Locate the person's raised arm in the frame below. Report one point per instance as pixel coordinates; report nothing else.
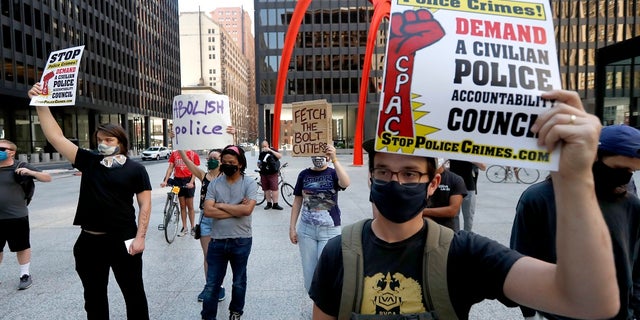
(195, 170)
(343, 177)
(52, 130)
(583, 282)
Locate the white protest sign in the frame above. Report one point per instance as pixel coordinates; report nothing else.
(463, 80)
(200, 121)
(60, 78)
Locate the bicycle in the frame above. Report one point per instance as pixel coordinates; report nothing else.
(171, 218)
(286, 189)
(498, 174)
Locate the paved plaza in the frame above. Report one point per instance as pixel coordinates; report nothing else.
(173, 273)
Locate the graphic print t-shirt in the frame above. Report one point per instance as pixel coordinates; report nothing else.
(319, 192)
(180, 168)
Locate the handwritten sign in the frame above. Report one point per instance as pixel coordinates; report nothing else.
(463, 81)
(200, 121)
(311, 127)
(60, 78)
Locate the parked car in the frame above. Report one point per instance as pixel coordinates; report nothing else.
(156, 153)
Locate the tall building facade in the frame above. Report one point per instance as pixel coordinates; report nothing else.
(326, 63)
(210, 58)
(237, 22)
(129, 72)
(599, 55)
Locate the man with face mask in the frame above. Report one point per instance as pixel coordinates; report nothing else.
(230, 201)
(316, 195)
(14, 214)
(534, 227)
(388, 274)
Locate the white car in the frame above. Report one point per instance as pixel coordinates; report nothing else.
(156, 153)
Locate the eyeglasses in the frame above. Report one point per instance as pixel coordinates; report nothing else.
(5, 149)
(382, 176)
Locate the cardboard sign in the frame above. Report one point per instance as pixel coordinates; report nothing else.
(200, 121)
(463, 81)
(311, 127)
(60, 78)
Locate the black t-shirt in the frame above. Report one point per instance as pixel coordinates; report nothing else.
(476, 269)
(534, 234)
(464, 169)
(451, 184)
(105, 203)
(11, 193)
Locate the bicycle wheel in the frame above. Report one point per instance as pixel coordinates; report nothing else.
(260, 198)
(528, 176)
(496, 173)
(286, 191)
(171, 221)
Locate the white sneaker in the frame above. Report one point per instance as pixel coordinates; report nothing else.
(183, 232)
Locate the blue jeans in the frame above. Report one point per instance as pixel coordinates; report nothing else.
(234, 251)
(311, 241)
(468, 209)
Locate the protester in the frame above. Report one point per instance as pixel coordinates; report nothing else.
(443, 206)
(269, 168)
(106, 215)
(213, 171)
(316, 195)
(14, 214)
(230, 201)
(387, 276)
(534, 227)
(186, 181)
(469, 173)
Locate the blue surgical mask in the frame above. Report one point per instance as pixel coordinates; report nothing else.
(4, 155)
(107, 150)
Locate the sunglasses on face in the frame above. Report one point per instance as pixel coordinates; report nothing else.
(5, 149)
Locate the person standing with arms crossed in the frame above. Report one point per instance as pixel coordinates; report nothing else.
(316, 195)
(230, 201)
(186, 181)
(106, 215)
(269, 176)
(14, 214)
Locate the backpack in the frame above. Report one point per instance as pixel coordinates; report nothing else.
(27, 183)
(270, 164)
(434, 274)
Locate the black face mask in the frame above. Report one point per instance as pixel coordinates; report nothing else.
(607, 179)
(399, 203)
(228, 169)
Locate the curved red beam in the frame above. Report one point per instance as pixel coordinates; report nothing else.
(287, 50)
(381, 9)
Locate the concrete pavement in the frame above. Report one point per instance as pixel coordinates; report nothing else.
(173, 273)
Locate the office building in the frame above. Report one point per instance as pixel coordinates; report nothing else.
(237, 22)
(211, 61)
(129, 71)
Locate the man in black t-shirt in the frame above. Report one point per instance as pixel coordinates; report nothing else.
(478, 268)
(444, 205)
(534, 227)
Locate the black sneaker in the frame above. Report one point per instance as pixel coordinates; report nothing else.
(221, 294)
(277, 207)
(268, 206)
(25, 282)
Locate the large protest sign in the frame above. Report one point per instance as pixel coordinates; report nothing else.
(200, 121)
(60, 78)
(463, 80)
(311, 127)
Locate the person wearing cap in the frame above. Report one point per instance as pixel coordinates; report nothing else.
(580, 284)
(443, 206)
(230, 201)
(534, 227)
(316, 196)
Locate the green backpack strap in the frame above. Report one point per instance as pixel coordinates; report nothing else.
(434, 273)
(352, 262)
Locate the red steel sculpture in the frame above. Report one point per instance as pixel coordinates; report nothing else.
(381, 9)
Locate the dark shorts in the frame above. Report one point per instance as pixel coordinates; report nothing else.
(184, 191)
(269, 182)
(16, 233)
